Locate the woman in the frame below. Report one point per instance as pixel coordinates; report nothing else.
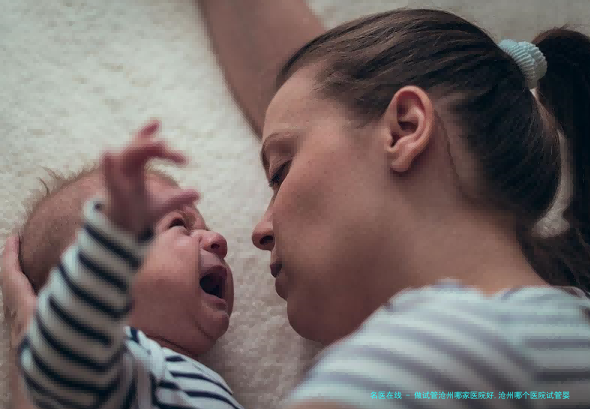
(405, 148)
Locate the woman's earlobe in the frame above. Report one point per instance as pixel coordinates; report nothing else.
(405, 152)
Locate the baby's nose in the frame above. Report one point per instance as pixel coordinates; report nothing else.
(213, 242)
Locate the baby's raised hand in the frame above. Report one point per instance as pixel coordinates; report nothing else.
(130, 204)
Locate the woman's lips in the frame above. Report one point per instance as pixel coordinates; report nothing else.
(275, 269)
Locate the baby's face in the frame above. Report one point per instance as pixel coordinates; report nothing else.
(183, 296)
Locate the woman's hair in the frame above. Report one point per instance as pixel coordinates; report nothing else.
(514, 139)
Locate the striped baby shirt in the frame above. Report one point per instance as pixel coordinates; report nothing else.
(450, 346)
(78, 352)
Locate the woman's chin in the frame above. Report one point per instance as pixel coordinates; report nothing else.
(300, 321)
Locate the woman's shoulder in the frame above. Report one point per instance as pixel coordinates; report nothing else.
(449, 295)
(449, 338)
(512, 316)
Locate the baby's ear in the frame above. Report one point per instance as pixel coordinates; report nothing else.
(37, 257)
(28, 275)
(27, 271)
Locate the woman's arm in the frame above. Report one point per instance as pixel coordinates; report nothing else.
(252, 40)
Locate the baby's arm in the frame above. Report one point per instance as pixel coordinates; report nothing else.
(74, 353)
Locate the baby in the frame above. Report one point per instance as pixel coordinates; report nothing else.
(140, 293)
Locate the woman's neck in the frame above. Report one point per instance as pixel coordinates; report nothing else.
(474, 250)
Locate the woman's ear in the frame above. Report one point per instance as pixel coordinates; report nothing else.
(410, 119)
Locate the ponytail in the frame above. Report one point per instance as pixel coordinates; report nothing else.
(564, 91)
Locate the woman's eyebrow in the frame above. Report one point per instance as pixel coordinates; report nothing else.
(267, 144)
(273, 141)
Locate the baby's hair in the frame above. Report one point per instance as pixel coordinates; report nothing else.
(50, 227)
(513, 138)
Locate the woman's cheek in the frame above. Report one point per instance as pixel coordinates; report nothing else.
(298, 200)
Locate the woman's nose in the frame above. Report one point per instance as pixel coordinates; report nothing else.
(214, 243)
(263, 235)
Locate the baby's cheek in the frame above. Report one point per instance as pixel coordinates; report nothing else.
(170, 269)
(182, 263)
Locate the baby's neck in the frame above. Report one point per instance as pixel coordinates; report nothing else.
(174, 347)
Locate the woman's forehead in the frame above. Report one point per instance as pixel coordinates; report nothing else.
(294, 101)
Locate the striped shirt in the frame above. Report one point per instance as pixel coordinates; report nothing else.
(450, 346)
(78, 352)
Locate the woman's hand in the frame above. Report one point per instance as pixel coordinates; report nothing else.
(18, 296)
(20, 302)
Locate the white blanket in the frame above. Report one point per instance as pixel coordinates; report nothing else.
(80, 75)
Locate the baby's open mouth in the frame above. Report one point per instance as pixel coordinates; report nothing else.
(213, 282)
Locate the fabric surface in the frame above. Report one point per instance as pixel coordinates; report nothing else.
(80, 75)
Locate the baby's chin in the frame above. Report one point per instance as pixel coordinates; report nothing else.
(191, 332)
(213, 320)
(210, 324)
(193, 342)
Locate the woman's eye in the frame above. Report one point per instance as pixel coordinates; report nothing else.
(278, 177)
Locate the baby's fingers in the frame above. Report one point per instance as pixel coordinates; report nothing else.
(108, 168)
(136, 156)
(149, 129)
(179, 199)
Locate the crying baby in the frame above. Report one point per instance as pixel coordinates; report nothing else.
(122, 317)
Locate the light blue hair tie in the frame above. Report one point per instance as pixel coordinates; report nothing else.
(529, 58)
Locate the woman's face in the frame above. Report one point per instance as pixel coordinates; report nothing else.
(325, 223)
